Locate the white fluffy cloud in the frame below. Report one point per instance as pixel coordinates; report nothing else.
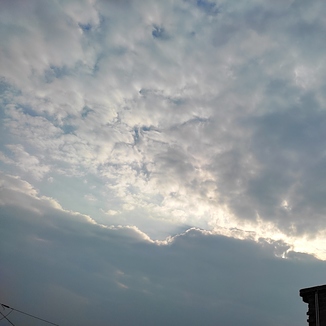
(201, 113)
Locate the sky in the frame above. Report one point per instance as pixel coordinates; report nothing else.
(162, 162)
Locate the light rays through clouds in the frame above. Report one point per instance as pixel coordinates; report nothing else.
(160, 119)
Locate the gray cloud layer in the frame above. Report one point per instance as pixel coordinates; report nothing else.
(63, 266)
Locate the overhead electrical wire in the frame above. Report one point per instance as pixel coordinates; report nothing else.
(5, 316)
(22, 312)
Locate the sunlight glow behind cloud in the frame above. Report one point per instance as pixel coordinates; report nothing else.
(202, 117)
(162, 129)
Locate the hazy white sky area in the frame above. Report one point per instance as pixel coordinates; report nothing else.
(162, 162)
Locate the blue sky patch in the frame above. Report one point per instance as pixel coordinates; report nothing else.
(159, 32)
(85, 27)
(208, 6)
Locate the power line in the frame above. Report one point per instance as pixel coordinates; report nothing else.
(25, 313)
(5, 316)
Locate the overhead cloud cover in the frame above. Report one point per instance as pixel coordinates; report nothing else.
(163, 162)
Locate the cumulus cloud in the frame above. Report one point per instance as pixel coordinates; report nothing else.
(201, 112)
(167, 116)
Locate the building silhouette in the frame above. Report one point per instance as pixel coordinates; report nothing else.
(316, 299)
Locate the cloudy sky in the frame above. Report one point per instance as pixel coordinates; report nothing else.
(162, 162)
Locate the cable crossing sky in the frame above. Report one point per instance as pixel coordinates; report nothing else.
(4, 306)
